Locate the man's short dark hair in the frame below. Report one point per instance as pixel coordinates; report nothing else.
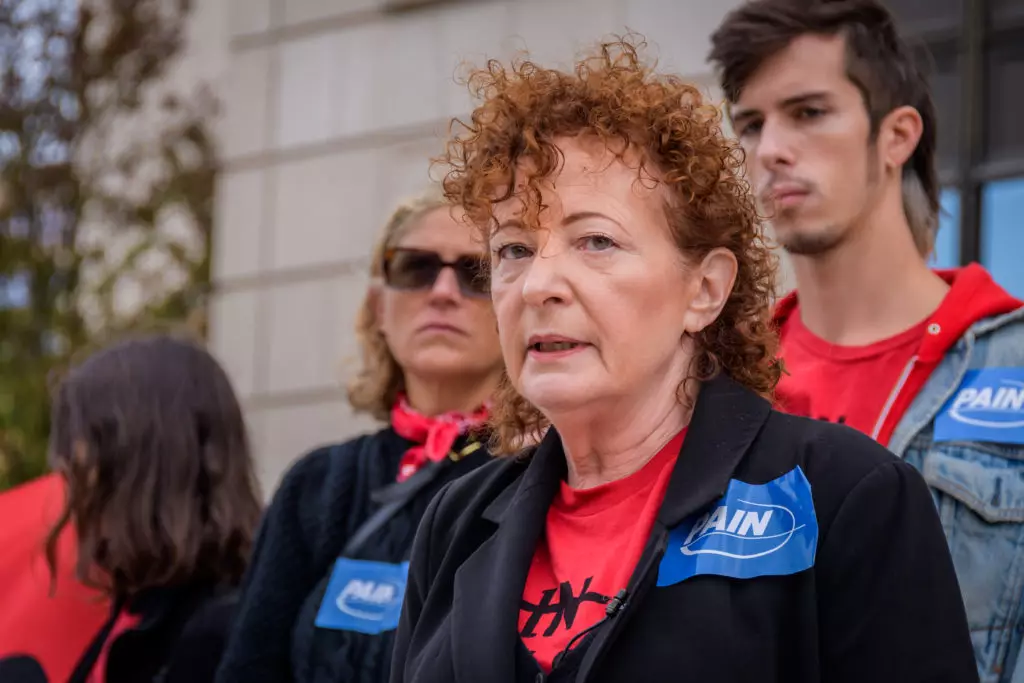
(878, 61)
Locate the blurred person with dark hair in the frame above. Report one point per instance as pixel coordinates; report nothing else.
(160, 491)
(670, 525)
(322, 598)
(839, 130)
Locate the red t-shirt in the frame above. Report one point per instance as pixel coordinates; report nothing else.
(592, 541)
(847, 384)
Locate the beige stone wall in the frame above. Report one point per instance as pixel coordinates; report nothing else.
(331, 110)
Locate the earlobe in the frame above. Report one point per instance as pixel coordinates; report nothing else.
(716, 276)
(903, 128)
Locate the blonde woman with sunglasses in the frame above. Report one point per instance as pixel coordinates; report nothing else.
(322, 598)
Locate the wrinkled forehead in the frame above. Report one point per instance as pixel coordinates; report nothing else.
(583, 172)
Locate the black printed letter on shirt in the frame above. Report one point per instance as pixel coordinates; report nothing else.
(565, 608)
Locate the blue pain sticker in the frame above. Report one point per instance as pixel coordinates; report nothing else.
(987, 406)
(363, 596)
(753, 530)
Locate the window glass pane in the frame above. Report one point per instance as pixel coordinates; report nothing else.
(1004, 98)
(947, 240)
(1002, 239)
(920, 16)
(940, 67)
(1003, 13)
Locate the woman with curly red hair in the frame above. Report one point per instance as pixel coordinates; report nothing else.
(669, 524)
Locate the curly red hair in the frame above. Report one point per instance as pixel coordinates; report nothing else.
(614, 96)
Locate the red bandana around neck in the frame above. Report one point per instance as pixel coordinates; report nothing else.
(434, 436)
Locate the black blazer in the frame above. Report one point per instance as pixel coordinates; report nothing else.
(880, 603)
(179, 639)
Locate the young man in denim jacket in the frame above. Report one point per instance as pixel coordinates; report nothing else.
(838, 126)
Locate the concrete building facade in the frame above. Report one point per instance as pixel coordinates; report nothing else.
(331, 111)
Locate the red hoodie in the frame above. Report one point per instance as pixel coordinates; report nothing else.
(973, 296)
(54, 630)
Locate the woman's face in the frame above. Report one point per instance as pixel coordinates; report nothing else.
(595, 306)
(437, 328)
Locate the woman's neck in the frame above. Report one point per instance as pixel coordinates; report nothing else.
(608, 445)
(436, 396)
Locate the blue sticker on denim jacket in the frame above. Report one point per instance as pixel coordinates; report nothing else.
(987, 406)
(363, 596)
(753, 530)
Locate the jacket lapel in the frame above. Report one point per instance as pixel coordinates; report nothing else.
(725, 422)
(489, 584)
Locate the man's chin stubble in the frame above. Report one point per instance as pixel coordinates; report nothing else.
(816, 244)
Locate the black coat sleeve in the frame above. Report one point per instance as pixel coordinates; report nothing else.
(281, 574)
(890, 607)
(421, 573)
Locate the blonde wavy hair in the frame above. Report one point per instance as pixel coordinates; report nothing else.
(380, 379)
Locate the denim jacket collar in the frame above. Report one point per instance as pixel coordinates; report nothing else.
(983, 345)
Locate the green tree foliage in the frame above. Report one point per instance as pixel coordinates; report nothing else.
(106, 195)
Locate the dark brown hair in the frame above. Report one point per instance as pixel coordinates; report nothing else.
(617, 98)
(879, 62)
(150, 439)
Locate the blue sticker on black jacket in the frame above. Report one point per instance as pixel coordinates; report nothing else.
(363, 596)
(988, 406)
(754, 530)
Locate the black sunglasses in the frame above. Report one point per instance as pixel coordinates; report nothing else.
(418, 269)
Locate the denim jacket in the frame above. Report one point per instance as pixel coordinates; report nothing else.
(978, 487)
